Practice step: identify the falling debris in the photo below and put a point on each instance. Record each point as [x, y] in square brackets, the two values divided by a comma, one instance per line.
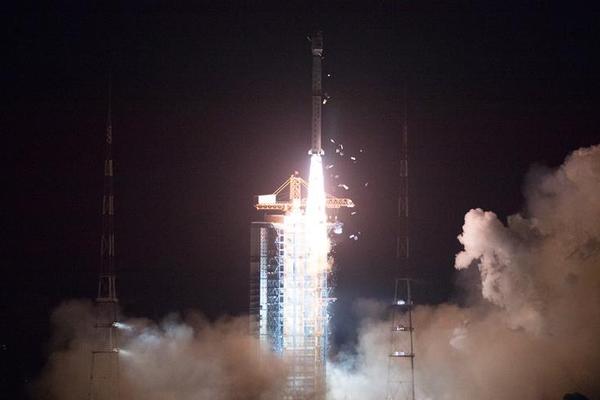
[329, 166]
[361, 151]
[343, 186]
[353, 213]
[366, 184]
[332, 141]
[353, 158]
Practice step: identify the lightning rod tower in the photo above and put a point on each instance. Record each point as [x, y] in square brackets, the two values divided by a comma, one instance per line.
[401, 367]
[104, 377]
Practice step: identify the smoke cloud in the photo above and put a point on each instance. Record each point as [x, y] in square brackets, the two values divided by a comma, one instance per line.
[190, 359]
[534, 333]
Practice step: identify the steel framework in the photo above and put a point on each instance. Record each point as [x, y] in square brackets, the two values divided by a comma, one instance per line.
[104, 375]
[295, 184]
[401, 374]
[401, 380]
[288, 301]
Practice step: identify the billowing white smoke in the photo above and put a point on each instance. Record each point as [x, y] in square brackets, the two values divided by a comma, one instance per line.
[183, 360]
[535, 334]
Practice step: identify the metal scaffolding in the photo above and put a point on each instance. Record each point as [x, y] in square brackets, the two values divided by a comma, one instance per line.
[104, 375]
[401, 371]
[401, 378]
[289, 302]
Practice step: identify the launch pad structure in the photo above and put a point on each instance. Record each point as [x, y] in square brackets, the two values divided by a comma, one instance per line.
[401, 361]
[288, 302]
[289, 291]
[104, 373]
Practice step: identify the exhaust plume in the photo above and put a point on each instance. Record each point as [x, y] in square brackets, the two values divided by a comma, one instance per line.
[190, 359]
[532, 334]
[534, 331]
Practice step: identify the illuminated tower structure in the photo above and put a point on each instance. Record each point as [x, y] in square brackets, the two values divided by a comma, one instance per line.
[104, 377]
[401, 378]
[290, 288]
[289, 302]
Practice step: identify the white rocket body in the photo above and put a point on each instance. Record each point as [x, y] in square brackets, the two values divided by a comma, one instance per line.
[317, 95]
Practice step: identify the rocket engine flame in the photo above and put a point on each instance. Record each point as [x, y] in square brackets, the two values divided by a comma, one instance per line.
[316, 218]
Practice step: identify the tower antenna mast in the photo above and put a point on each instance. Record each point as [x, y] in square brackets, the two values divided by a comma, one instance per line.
[104, 377]
[401, 374]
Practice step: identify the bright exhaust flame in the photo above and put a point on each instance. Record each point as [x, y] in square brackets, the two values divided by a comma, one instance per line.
[305, 275]
[316, 219]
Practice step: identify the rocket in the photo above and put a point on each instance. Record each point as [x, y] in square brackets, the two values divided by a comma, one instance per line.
[316, 41]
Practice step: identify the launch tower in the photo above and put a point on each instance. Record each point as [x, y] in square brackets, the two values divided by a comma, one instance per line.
[104, 377]
[401, 378]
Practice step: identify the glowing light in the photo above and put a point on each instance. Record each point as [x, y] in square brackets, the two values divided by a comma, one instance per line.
[316, 217]
[267, 199]
[306, 267]
[337, 229]
[121, 325]
[125, 353]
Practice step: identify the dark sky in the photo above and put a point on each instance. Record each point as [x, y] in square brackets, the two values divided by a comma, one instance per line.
[211, 107]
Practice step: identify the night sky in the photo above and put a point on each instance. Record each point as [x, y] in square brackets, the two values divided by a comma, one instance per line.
[212, 106]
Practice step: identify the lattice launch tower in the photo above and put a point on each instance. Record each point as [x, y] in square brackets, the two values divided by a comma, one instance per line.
[104, 377]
